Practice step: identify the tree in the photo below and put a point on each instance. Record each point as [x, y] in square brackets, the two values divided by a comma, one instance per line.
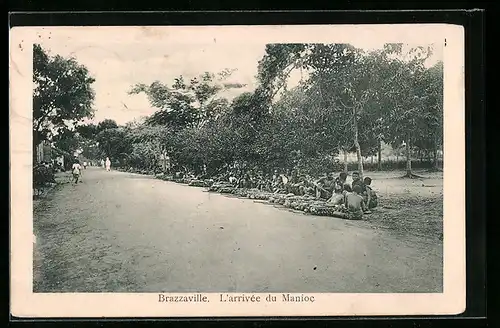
[67, 141]
[245, 117]
[156, 142]
[87, 131]
[184, 104]
[276, 65]
[62, 96]
[106, 124]
[342, 82]
[90, 149]
[114, 143]
[432, 90]
[405, 121]
[346, 80]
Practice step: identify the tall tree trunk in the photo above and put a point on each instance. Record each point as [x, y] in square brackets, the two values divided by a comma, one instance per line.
[379, 164]
[35, 153]
[345, 161]
[164, 163]
[408, 158]
[435, 150]
[356, 143]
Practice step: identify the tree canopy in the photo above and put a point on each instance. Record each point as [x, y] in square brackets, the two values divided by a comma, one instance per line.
[62, 96]
[347, 100]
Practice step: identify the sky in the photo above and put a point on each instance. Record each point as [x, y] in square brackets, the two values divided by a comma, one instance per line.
[119, 60]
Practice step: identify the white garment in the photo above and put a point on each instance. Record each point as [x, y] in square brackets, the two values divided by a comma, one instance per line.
[76, 168]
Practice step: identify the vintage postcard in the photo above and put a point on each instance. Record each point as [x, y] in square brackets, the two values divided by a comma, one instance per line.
[182, 171]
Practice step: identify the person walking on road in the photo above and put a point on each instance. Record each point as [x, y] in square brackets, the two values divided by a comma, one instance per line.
[102, 163]
[108, 164]
[76, 170]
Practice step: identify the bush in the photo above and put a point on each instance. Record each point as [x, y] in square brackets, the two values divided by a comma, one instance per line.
[42, 176]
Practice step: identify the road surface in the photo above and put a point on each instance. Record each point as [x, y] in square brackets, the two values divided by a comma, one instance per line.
[123, 232]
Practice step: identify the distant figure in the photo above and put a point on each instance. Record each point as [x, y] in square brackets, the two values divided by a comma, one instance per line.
[108, 164]
[102, 163]
[76, 170]
[84, 165]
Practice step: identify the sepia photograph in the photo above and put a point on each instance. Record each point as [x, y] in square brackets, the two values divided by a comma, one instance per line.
[199, 165]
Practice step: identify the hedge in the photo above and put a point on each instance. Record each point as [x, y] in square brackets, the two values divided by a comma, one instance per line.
[42, 177]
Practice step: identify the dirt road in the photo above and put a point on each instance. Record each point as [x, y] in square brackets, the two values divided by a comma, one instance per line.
[121, 232]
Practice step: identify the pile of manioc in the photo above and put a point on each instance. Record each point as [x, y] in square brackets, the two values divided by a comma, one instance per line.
[306, 203]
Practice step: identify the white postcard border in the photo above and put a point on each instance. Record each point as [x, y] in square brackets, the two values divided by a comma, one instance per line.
[25, 303]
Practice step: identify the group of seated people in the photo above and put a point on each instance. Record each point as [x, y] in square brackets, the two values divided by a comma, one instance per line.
[357, 196]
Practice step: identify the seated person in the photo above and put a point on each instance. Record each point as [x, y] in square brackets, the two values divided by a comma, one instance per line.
[369, 195]
[338, 197]
[340, 181]
[355, 203]
[306, 187]
[325, 186]
[293, 183]
[300, 186]
[275, 175]
[278, 186]
[266, 184]
[356, 180]
[346, 188]
[247, 181]
[242, 182]
[258, 181]
[233, 180]
[252, 181]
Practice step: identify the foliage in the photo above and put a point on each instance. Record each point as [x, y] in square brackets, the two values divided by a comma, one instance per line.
[351, 100]
[62, 96]
[184, 104]
[42, 176]
[114, 143]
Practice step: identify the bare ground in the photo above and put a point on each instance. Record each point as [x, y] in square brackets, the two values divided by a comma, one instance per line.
[409, 206]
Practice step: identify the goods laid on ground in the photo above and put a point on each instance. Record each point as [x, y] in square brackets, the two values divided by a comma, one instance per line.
[219, 185]
[227, 190]
[260, 195]
[327, 210]
[241, 192]
[306, 203]
[198, 183]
